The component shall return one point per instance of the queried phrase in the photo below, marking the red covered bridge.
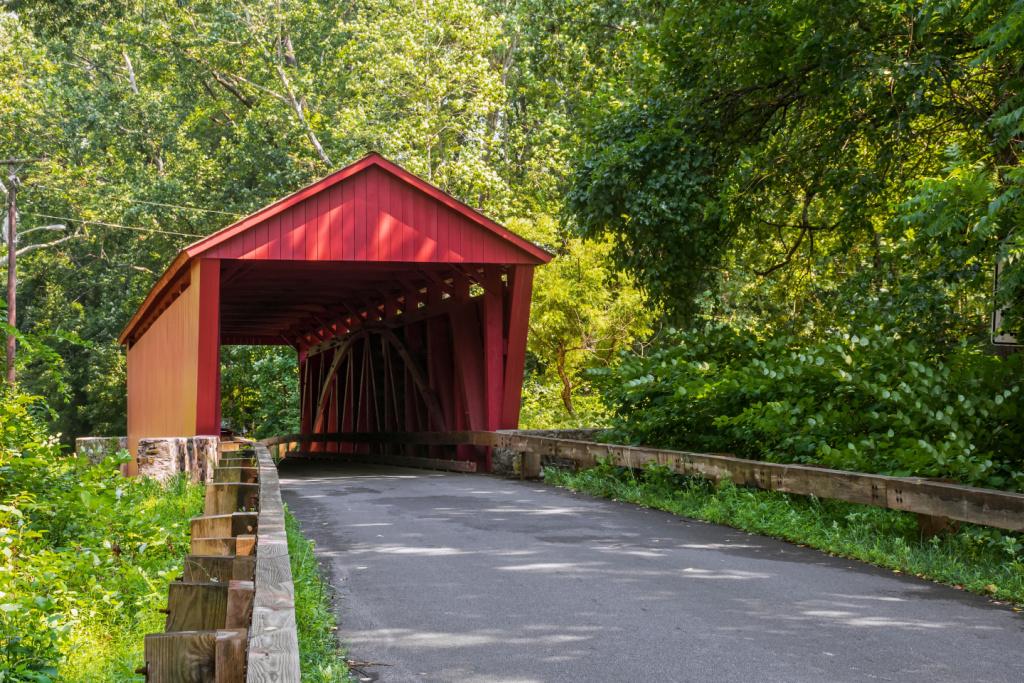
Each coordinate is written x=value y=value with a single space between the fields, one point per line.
x=407 y=308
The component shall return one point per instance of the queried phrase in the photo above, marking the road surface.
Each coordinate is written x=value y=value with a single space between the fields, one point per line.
x=470 y=578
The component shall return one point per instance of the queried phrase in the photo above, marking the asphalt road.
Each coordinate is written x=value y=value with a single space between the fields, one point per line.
x=453 y=577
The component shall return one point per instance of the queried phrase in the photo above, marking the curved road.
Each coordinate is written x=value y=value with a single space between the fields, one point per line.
x=453 y=577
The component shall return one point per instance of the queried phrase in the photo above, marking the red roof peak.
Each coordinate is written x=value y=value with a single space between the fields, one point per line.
x=371 y=159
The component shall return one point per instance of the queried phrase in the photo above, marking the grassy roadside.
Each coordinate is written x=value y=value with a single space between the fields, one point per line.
x=108 y=571
x=976 y=559
x=322 y=659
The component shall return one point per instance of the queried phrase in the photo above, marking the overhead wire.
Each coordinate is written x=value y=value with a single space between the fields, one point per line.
x=179 y=206
x=110 y=225
x=186 y=207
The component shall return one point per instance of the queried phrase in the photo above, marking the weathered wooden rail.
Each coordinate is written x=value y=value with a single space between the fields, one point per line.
x=927 y=498
x=231 y=616
x=273 y=637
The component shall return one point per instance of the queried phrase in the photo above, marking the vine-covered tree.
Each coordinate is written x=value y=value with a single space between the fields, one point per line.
x=776 y=151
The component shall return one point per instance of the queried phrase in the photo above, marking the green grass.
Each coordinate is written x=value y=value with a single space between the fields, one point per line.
x=113 y=575
x=973 y=558
x=321 y=657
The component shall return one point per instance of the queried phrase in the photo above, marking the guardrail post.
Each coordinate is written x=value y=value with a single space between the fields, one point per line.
x=530 y=465
x=222 y=499
x=218 y=568
x=185 y=656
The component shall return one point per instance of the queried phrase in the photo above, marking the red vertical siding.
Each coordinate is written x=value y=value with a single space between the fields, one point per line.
x=335 y=223
x=262 y=241
x=372 y=216
x=275 y=237
x=347 y=222
x=359 y=252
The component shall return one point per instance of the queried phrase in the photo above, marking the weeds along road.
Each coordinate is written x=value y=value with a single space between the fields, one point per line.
x=453 y=577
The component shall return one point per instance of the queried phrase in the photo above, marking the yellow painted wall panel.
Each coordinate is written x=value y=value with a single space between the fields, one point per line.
x=163 y=371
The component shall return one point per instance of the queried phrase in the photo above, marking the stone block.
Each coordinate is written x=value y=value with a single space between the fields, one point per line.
x=162 y=458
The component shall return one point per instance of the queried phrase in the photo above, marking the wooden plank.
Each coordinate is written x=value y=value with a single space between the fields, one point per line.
x=233 y=524
x=196 y=606
x=180 y=656
x=237 y=461
x=229 y=656
x=987 y=507
x=234 y=475
x=231 y=446
x=397 y=460
x=273 y=640
x=211 y=568
x=245 y=544
x=222 y=499
x=530 y=466
x=210 y=526
x=221 y=545
x=240 y=596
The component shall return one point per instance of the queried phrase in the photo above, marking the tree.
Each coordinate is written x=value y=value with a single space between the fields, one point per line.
x=786 y=145
x=583 y=314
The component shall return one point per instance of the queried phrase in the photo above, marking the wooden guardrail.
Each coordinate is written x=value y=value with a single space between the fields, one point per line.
x=273 y=638
x=226 y=619
x=928 y=498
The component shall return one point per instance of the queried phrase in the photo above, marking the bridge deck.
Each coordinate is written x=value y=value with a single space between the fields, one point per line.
x=452 y=577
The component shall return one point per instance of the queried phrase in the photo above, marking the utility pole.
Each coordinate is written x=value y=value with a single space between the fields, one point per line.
x=12 y=258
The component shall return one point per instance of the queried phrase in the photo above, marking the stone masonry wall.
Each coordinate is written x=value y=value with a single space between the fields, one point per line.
x=162 y=458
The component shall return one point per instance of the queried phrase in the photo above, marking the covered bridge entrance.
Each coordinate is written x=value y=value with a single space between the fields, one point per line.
x=408 y=311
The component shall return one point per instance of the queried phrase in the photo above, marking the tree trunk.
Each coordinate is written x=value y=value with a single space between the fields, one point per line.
x=12 y=275
x=563 y=375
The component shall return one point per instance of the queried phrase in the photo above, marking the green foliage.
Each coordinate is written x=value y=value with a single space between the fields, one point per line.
x=85 y=555
x=583 y=313
x=872 y=402
x=321 y=658
x=772 y=151
x=659 y=205
x=543 y=407
x=260 y=390
x=973 y=558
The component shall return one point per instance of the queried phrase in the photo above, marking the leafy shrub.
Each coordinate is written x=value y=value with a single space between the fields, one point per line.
x=85 y=555
x=871 y=402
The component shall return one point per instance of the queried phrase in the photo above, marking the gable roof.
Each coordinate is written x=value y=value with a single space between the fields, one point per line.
x=395 y=215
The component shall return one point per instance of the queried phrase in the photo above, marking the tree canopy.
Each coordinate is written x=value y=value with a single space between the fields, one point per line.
x=788 y=153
